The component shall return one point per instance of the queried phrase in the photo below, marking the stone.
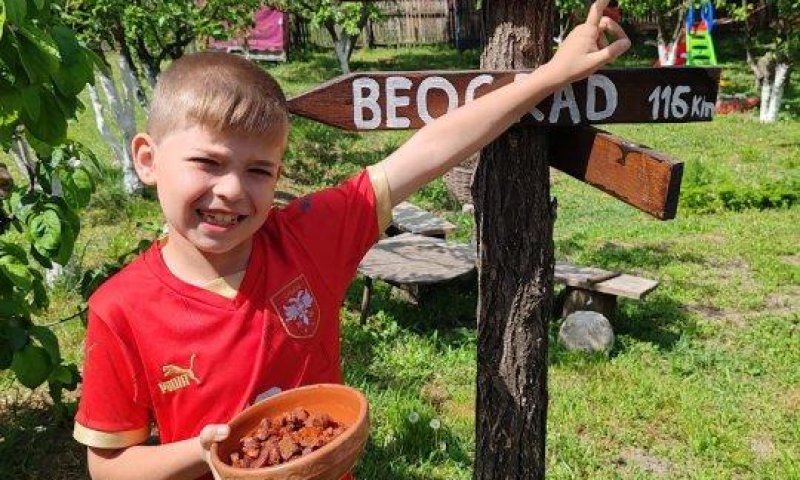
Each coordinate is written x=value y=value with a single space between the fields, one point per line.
x=578 y=299
x=586 y=331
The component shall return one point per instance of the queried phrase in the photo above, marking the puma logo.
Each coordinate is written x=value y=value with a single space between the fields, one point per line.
x=177 y=377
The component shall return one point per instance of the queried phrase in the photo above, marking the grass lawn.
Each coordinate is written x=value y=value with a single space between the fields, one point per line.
x=702 y=381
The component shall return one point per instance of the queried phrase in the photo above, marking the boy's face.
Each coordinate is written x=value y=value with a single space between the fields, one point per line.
x=215 y=189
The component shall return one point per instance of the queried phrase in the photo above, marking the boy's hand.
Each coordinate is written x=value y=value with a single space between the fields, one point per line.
x=210 y=434
x=585 y=49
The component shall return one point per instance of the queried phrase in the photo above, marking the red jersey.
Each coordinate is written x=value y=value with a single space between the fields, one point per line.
x=164 y=352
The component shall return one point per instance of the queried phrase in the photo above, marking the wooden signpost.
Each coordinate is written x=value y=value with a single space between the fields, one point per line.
x=513 y=210
x=514 y=213
x=636 y=175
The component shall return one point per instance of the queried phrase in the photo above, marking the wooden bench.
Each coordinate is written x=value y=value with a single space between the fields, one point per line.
x=412 y=262
x=409 y=218
x=417 y=257
x=595 y=289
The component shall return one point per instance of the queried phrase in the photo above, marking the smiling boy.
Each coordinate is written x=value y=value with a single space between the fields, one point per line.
x=241 y=299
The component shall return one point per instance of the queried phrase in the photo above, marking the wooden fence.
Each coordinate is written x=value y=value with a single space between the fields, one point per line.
x=408 y=23
x=455 y=22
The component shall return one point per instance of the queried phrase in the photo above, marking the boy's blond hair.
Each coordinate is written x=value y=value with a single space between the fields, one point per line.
x=219 y=91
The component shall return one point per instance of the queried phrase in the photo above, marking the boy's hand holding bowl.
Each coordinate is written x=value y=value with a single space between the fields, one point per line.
x=345 y=405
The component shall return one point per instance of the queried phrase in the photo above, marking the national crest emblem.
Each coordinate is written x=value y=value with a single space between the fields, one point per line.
x=297 y=308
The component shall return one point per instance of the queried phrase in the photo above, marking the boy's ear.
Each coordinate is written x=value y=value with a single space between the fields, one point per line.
x=143 y=149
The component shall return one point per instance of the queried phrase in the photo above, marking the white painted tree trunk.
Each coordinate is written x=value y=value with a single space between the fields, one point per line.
x=667 y=53
x=129 y=86
x=766 y=90
x=123 y=114
x=771 y=106
x=108 y=136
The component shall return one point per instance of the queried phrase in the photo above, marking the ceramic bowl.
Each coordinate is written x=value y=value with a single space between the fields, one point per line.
x=344 y=404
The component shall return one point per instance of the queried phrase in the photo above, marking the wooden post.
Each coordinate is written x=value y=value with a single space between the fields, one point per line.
x=515 y=219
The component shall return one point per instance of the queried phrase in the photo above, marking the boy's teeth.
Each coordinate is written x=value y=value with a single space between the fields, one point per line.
x=220 y=218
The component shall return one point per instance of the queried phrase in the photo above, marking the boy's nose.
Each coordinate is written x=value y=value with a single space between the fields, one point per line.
x=229 y=187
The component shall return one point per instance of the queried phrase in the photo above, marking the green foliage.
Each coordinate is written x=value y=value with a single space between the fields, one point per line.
x=736 y=197
x=350 y=16
x=158 y=30
x=786 y=30
x=43 y=68
x=344 y=21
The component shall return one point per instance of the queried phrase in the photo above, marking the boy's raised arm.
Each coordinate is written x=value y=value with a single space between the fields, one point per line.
x=439 y=146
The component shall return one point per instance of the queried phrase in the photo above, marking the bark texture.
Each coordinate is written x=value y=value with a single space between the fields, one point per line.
x=515 y=217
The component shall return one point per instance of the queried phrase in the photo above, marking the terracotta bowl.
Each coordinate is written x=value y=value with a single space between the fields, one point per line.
x=344 y=404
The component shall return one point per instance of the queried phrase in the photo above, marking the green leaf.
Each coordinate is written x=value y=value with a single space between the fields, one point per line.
x=14 y=264
x=38 y=54
x=32 y=365
x=43 y=260
x=17 y=338
x=48 y=340
x=84 y=186
x=76 y=67
x=7 y=248
x=61 y=374
x=19 y=273
x=2 y=17
x=31 y=103
x=45 y=231
x=16 y=10
x=68 y=214
x=14 y=306
x=40 y=298
x=8 y=123
x=68 y=237
x=51 y=127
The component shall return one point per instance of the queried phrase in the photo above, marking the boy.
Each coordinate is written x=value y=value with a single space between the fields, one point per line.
x=240 y=299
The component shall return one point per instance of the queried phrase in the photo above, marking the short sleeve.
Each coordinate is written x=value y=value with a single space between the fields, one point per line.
x=114 y=406
x=337 y=226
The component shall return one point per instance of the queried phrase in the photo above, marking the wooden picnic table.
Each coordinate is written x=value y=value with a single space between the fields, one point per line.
x=410 y=261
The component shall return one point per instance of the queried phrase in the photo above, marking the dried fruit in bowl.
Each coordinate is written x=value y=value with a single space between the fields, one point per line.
x=284 y=438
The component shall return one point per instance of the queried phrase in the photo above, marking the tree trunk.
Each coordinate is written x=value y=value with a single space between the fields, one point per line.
x=118 y=32
x=340 y=45
x=515 y=216
x=100 y=121
x=668 y=52
x=776 y=93
x=126 y=123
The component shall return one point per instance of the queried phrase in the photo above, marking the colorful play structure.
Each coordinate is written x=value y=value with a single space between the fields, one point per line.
x=695 y=44
x=699 y=44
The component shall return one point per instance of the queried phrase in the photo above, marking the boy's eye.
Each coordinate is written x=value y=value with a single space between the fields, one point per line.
x=203 y=161
x=261 y=171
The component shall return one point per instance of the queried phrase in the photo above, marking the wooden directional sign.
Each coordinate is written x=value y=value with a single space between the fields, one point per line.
x=409 y=100
x=635 y=174
x=632 y=173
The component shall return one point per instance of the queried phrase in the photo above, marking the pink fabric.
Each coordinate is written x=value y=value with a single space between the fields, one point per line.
x=267 y=35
